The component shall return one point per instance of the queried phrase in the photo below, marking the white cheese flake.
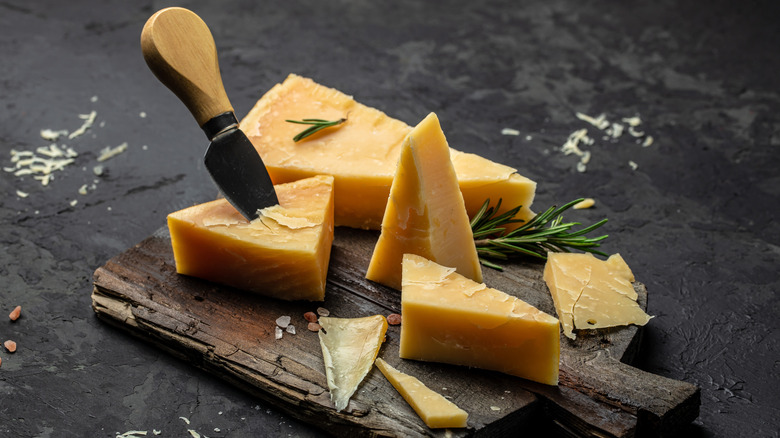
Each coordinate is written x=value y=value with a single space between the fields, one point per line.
x=633 y=165
x=510 y=131
x=22 y=194
x=585 y=203
x=108 y=152
x=600 y=122
x=89 y=120
x=52 y=135
x=648 y=141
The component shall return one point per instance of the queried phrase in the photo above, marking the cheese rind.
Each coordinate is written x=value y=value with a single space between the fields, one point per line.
x=425 y=213
x=435 y=410
x=449 y=318
x=589 y=293
x=349 y=348
x=361 y=153
x=284 y=253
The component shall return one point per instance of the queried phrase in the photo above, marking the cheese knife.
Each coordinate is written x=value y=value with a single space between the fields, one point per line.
x=179 y=49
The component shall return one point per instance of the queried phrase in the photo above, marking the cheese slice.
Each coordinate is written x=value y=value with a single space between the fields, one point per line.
x=590 y=293
x=425 y=214
x=361 y=153
x=435 y=410
x=349 y=347
x=449 y=318
x=284 y=253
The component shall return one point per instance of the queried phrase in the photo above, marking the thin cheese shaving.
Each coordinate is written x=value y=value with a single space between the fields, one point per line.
x=108 y=152
x=89 y=120
x=510 y=131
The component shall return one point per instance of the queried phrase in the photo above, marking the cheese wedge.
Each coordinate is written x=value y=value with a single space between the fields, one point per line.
x=349 y=348
x=361 y=153
x=590 y=293
x=425 y=214
x=435 y=410
x=284 y=253
x=446 y=317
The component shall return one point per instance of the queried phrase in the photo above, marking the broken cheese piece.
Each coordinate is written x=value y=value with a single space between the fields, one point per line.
x=284 y=253
x=361 y=153
x=349 y=348
x=435 y=410
x=425 y=214
x=449 y=318
x=590 y=293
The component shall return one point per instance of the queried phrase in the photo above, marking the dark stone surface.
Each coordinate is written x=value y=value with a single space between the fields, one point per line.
x=696 y=220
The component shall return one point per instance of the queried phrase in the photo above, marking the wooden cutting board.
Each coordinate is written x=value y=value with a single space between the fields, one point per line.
x=231 y=333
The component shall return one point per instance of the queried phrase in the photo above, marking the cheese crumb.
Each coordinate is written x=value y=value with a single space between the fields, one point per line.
x=83 y=190
x=109 y=152
x=648 y=141
x=74 y=202
x=52 y=135
x=89 y=120
x=495 y=408
x=585 y=203
x=510 y=131
x=600 y=122
x=22 y=194
x=633 y=165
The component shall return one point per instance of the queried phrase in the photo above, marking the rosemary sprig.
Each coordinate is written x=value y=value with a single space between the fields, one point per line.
x=544 y=233
x=316 y=126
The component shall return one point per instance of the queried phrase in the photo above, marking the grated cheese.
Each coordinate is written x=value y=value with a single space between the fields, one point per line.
x=89 y=120
x=108 y=152
x=648 y=141
x=585 y=203
x=510 y=131
x=22 y=194
x=633 y=165
x=52 y=135
x=600 y=122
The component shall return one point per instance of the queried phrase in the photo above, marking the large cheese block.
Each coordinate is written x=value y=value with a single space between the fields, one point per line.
x=446 y=317
x=590 y=293
x=361 y=153
x=349 y=348
x=284 y=253
x=425 y=214
x=435 y=410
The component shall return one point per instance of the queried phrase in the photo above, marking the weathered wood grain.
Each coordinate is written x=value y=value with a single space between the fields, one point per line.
x=231 y=334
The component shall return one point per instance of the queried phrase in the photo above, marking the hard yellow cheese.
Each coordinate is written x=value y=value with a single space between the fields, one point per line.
x=425 y=214
x=284 y=253
x=349 y=347
x=449 y=318
x=435 y=410
x=360 y=153
x=590 y=293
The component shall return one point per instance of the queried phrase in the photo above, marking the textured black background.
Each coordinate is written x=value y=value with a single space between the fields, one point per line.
x=696 y=220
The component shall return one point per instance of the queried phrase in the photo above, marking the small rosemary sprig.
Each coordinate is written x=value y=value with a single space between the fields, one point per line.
x=316 y=126
x=544 y=233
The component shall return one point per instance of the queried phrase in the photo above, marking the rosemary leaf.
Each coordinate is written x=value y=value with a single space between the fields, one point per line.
x=545 y=232
x=316 y=126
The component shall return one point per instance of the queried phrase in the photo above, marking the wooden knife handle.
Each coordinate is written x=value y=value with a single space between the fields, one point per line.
x=179 y=49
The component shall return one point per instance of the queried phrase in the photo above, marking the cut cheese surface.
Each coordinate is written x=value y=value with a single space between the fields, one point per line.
x=284 y=253
x=449 y=318
x=425 y=213
x=435 y=410
x=590 y=293
x=349 y=348
x=361 y=153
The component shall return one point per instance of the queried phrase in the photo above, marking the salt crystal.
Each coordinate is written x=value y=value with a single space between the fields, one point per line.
x=283 y=321
x=278 y=333
x=322 y=311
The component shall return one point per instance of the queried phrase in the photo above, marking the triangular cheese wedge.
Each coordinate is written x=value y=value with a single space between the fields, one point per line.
x=284 y=253
x=425 y=214
x=449 y=318
x=349 y=348
x=361 y=153
x=435 y=410
x=590 y=293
